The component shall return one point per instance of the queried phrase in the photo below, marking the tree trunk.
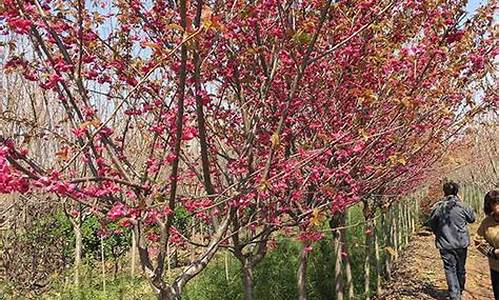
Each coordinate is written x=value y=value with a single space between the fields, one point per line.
x=116 y=267
x=78 y=255
x=335 y=222
x=226 y=265
x=413 y=214
x=402 y=216
x=78 y=250
x=347 y=258
x=247 y=278
x=167 y=294
x=193 y=247
x=248 y=261
x=387 y=244
x=378 y=267
x=399 y=228
x=405 y=224
x=168 y=261
x=368 y=245
x=347 y=265
x=302 y=274
x=103 y=266
x=133 y=255
x=394 y=233
x=339 y=284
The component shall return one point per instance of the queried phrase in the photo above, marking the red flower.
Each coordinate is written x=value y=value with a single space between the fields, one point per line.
x=189 y=133
x=153 y=237
x=117 y=211
x=20 y=25
x=61 y=66
x=51 y=82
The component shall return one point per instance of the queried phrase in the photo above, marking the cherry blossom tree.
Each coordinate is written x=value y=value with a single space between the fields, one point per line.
x=252 y=117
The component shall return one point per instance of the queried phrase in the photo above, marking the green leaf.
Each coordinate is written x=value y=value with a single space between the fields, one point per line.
x=301 y=37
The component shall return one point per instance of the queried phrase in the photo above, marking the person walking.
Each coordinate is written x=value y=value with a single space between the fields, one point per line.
x=487 y=236
x=449 y=219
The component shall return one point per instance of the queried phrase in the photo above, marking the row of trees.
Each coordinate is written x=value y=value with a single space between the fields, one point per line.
x=247 y=117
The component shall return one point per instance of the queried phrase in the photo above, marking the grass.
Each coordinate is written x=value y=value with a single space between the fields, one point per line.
x=274 y=277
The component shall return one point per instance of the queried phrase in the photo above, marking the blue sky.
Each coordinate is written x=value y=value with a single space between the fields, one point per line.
x=473 y=4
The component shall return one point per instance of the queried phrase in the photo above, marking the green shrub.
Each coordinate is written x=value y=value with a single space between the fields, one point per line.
x=123 y=287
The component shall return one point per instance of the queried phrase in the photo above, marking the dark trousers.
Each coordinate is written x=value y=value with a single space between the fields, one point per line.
x=494 y=282
x=454 y=269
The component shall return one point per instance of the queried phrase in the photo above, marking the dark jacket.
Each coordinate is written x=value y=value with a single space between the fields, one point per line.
x=448 y=220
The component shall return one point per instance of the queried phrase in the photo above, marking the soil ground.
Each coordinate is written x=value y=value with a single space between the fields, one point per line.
x=418 y=273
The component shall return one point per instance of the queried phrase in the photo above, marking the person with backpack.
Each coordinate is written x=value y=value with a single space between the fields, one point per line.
x=449 y=219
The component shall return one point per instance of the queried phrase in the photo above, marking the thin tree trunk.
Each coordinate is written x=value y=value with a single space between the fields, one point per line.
x=417 y=213
x=103 y=266
x=115 y=266
x=368 y=246
x=377 y=259
x=399 y=227
x=78 y=249
x=403 y=225
x=247 y=278
x=226 y=265
x=413 y=216
x=133 y=255
x=335 y=222
x=339 y=284
x=387 y=244
x=348 y=269
x=394 y=234
x=193 y=233
x=168 y=261
x=347 y=264
x=302 y=273
x=405 y=222
x=408 y=217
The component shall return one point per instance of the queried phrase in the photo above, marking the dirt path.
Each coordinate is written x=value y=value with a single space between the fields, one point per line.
x=419 y=274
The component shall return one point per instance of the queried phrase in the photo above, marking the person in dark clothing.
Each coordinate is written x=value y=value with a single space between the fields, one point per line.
x=448 y=220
